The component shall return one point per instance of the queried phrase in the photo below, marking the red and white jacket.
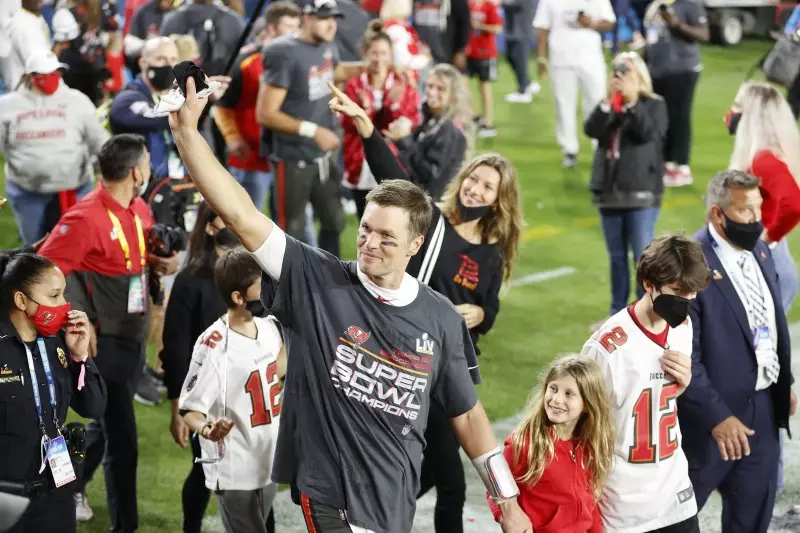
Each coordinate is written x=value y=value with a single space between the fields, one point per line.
x=382 y=110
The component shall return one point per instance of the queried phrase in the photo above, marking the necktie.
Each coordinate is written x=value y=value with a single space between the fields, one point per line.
x=757 y=306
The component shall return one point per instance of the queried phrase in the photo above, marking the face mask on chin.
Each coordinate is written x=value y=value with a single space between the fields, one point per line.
x=469 y=213
x=142 y=187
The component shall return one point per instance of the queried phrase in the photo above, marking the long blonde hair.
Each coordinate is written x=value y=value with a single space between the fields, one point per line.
x=458 y=109
x=594 y=431
x=504 y=224
x=767 y=123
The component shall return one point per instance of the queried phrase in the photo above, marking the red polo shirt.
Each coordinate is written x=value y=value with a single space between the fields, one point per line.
x=85 y=246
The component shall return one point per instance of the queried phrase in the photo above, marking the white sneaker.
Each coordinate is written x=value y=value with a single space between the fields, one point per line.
x=83 y=513
x=519 y=98
x=533 y=88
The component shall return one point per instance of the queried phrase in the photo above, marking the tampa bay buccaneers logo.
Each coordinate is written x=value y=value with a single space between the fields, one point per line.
x=358 y=335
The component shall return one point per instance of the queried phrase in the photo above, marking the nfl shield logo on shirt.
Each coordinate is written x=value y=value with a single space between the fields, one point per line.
x=425 y=345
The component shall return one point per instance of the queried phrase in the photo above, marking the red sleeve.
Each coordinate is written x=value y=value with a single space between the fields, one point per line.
x=780 y=185
x=408 y=106
x=69 y=242
x=493 y=17
x=597 y=520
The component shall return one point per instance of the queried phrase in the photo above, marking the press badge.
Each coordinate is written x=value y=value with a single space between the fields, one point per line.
x=652 y=35
x=60 y=462
x=136 y=293
x=762 y=339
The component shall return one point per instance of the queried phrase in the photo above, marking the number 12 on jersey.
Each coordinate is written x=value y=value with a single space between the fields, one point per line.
x=263 y=412
x=645 y=448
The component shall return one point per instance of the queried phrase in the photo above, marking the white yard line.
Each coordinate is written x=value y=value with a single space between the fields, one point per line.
x=546 y=275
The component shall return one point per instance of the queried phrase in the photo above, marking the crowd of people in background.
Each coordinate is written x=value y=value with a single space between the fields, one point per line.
x=329 y=108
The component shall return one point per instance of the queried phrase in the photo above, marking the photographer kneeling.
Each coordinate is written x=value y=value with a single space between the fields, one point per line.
x=44 y=369
x=627 y=171
x=101 y=243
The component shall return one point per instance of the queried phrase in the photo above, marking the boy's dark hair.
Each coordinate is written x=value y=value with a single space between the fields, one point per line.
x=120 y=154
x=235 y=271
x=673 y=258
x=282 y=8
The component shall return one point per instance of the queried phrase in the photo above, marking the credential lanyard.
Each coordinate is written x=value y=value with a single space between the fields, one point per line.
x=123 y=241
x=35 y=382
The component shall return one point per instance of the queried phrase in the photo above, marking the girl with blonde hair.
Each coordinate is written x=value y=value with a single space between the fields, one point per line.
x=767 y=145
x=467 y=255
x=561 y=452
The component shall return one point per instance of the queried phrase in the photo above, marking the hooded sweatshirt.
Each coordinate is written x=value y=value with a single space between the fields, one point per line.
x=49 y=141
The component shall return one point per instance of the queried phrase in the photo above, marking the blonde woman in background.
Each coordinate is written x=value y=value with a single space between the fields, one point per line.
x=187 y=47
x=767 y=145
x=434 y=151
x=629 y=126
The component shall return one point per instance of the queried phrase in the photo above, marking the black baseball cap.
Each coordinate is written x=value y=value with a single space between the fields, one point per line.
x=323 y=9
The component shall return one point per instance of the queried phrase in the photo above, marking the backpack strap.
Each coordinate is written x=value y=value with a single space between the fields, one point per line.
x=432 y=253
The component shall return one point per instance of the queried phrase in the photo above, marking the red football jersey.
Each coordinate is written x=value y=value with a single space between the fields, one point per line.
x=483 y=44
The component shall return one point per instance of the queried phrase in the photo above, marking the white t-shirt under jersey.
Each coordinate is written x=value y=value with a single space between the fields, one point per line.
x=649 y=486
x=244 y=372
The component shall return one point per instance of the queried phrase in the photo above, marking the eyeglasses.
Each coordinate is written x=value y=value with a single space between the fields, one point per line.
x=212 y=460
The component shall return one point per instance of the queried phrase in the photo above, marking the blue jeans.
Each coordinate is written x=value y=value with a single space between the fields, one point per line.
x=624 y=230
x=255 y=182
x=31 y=209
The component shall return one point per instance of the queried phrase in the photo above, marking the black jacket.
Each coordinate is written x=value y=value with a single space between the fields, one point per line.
x=634 y=179
x=194 y=304
x=433 y=154
x=20 y=436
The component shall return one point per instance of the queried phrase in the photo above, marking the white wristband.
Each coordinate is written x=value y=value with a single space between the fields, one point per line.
x=496 y=475
x=307 y=129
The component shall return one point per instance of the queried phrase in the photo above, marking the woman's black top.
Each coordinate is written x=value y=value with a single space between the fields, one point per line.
x=20 y=433
x=194 y=304
x=465 y=273
x=628 y=165
x=433 y=153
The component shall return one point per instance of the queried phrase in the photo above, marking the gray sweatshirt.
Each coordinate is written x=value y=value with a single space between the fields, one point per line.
x=49 y=141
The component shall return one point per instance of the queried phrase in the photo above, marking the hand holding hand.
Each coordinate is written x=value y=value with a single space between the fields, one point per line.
x=218 y=430
x=514 y=520
x=473 y=314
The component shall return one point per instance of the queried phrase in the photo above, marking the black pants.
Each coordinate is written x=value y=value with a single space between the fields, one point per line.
x=112 y=439
x=52 y=512
x=690 y=525
x=678 y=93
x=321 y=518
x=195 y=495
x=442 y=468
x=793 y=96
x=297 y=183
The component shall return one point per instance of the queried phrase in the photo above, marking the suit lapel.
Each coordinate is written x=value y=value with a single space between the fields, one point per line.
x=722 y=282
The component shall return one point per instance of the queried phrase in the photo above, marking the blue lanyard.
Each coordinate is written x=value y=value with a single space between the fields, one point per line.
x=35 y=381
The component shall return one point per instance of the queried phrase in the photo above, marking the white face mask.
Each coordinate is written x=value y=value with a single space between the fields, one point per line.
x=143 y=187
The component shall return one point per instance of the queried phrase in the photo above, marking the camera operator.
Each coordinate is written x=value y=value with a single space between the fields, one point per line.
x=44 y=369
x=102 y=243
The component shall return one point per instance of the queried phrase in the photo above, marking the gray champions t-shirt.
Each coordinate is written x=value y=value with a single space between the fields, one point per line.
x=361 y=376
x=668 y=52
x=304 y=70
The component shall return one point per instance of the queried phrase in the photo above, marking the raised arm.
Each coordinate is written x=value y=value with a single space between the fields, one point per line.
x=225 y=196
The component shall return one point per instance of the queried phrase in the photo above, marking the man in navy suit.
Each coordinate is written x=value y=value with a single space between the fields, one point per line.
x=740 y=393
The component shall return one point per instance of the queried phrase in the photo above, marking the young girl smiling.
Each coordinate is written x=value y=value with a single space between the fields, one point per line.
x=561 y=451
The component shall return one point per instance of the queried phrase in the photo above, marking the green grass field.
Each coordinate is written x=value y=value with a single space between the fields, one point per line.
x=537 y=321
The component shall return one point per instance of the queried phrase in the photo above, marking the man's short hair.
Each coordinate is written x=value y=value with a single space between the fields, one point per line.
x=673 y=258
x=282 y=8
x=235 y=271
x=120 y=154
x=719 y=188
x=408 y=197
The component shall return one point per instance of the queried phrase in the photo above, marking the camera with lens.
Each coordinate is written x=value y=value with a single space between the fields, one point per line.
x=163 y=241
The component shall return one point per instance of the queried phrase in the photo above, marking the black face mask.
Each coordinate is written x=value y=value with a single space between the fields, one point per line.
x=468 y=214
x=745 y=235
x=672 y=308
x=733 y=122
x=160 y=78
x=226 y=238
x=256 y=308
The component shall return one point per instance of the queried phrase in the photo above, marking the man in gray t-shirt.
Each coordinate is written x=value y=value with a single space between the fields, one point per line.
x=369 y=347
x=298 y=126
